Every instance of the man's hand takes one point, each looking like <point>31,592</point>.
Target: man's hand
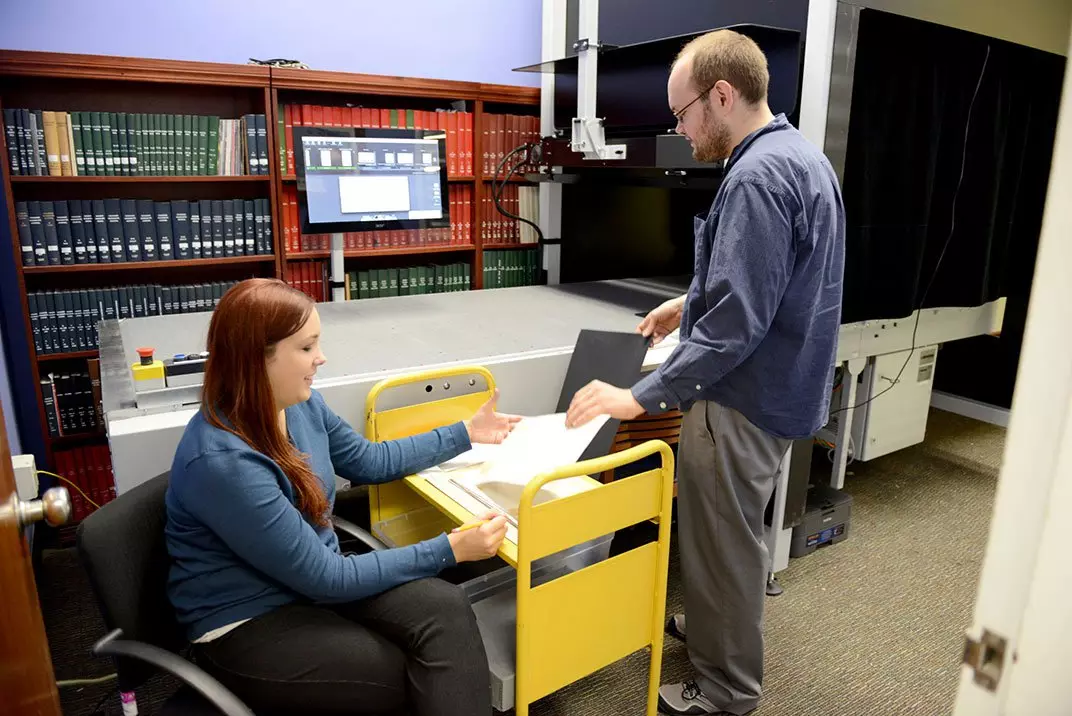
<point>487,426</point>
<point>598,398</point>
<point>663,320</point>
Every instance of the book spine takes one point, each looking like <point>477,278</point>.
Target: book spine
<point>108,133</point>
<point>213,148</point>
<point>89,156</point>
<point>202,145</point>
<point>173,134</point>
<point>100,231</point>
<point>164,236</point>
<point>96,136</point>
<point>249,227</point>
<point>266,212</point>
<point>131,235</point>
<point>147,230</point>
<point>78,149</point>
<point>26,242</point>
<point>281,139</point>
<point>229,228</point>
<point>116,233</point>
<point>262,143</point>
<point>136,134</point>
<point>206,228</point>
<point>35,322</point>
<point>188,145</point>
<point>218,245</point>
<point>11,139</point>
<point>238,211</point>
<point>122,151</point>
<point>52,145</point>
<point>195,230</point>
<point>78,234</point>
<point>63,131</point>
<point>180,228</point>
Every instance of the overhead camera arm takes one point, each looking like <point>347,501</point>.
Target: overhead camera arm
<point>587,137</point>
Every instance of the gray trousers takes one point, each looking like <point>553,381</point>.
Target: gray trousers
<point>727,469</point>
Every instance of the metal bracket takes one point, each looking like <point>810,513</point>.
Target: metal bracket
<point>588,140</point>
<point>986,658</point>
<point>587,128</point>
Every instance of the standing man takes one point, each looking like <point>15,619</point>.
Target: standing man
<point>759,330</point>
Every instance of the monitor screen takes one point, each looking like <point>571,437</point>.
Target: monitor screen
<point>354,179</point>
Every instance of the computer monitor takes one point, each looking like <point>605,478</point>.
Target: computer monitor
<point>356,179</point>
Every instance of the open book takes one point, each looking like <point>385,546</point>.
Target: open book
<point>492,477</point>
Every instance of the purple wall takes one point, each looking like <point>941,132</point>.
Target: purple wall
<point>441,39</point>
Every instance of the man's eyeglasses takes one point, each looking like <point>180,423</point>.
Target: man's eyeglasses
<point>680,114</point>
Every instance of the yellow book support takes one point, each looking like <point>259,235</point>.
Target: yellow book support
<point>576,624</point>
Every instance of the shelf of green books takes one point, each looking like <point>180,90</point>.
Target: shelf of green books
<point>243,178</point>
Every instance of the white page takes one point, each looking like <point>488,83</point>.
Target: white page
<point>479,454</point>
<point>494,476</point>
<point>537,445</point>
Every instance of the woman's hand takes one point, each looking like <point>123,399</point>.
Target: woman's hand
<point>480,542</point>
<point>487,426</point>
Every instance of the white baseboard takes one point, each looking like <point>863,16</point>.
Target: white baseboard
<point>970,408</point>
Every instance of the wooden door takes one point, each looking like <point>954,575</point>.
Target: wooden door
<point>27,683</point>
<point>1016,655</point>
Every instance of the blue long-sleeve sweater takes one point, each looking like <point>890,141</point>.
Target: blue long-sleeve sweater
<point>239,546</point>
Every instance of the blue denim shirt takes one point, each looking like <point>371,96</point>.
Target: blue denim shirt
<point>760,324</point>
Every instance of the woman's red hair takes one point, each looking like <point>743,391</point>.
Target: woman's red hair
<point>249,321</point>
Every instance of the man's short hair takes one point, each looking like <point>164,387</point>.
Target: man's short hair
<point>730,56</point>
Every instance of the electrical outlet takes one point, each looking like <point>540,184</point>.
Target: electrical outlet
<point>25,468</point>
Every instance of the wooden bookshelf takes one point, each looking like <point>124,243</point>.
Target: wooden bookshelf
<point>408,251</point>
<point>335,89</point>
<point>290,179</point>
<point>76,438</point>
<point>147,265</point>
<point>257,179</point>
<point>512,180</point>
<point>75,83</point>
<point>511,246</point>
<point>45,357</point>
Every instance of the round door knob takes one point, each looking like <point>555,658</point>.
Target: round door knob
<point>54,507</point>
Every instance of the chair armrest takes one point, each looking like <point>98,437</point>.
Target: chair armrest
<point>215,692</point>
<point>357,533</point>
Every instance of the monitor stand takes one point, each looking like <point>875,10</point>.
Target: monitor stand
<point>337,274</point>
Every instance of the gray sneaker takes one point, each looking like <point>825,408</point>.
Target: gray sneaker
<point>686,699</point>
<point>675,627</point>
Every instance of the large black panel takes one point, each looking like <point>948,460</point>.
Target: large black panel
<point>628,231</point>
<point>906,146</point>
<point>631,90</point>
<point>624,22</point>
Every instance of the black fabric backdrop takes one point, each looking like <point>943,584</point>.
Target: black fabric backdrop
<point>912,86</point>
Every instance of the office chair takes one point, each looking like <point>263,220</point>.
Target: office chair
<point>123,549</point>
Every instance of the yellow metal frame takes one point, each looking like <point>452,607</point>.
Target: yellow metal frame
<point>397,498</point>
<point>574,625</point>
<point>579,623</point>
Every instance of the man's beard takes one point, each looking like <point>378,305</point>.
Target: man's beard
<point>713,144</point>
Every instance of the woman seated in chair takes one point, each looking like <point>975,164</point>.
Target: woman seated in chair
<point>273,609</point>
